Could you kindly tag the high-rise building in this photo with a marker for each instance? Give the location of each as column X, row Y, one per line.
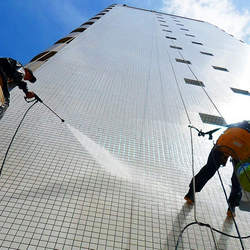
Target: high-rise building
column 128, row 83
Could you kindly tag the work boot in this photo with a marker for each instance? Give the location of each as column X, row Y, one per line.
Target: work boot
column 189, row 197
column 231, row 212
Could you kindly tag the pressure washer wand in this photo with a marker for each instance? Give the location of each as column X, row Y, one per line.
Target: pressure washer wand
column 38, row 99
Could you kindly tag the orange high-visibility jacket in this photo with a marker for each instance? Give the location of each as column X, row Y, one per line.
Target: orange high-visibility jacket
column 237, row 139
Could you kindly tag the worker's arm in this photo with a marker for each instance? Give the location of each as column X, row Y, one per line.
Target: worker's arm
column 23, row 85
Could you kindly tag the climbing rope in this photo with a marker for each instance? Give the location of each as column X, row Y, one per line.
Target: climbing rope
column 212, row 229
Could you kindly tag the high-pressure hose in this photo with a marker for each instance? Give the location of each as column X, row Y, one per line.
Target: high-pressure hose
column 35, row 100
column 196, row 222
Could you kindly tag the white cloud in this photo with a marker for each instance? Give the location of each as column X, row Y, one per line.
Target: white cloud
column 222, row 13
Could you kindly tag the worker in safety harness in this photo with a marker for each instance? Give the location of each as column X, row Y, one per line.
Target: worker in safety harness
column 12, row 73
column 234, row 142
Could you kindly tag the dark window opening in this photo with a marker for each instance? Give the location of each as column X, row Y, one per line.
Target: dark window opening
column 38, row 56
column 87, row 23
column 180, row 24
column 240, row 91
column 168, row 30
column 170, row 37
column 184, row 29
column 206, row 53
column 64, row 40
column 220, row 68
column 182, row 61
column 197, row 43
column 162, row 21
column 95, row 18
column 175, row 47
column 189, row 35
column 194, row 82
column 212, row 119
column 164, row 25
column 78, row 30
column 47, row 56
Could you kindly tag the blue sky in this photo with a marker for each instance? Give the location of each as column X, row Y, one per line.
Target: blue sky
column 31, row 26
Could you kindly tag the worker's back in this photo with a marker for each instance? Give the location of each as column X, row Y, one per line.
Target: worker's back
column 236, row 141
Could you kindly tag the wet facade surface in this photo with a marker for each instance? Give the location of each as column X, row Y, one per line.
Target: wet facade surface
column 115, row 174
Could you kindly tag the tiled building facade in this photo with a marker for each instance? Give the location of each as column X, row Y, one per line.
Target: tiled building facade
column 128, row 83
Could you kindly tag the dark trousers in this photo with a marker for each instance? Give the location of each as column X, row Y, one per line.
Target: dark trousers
column 217, row 158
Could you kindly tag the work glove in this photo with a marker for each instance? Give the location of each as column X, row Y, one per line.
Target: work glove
column 30, row 95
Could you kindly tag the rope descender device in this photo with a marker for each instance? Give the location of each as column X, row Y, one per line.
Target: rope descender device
column 201, row 133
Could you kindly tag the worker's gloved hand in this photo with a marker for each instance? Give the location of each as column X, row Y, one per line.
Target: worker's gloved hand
column 30, row 95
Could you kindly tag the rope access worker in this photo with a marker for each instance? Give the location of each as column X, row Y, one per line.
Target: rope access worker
column 12, row 73
column 234, row 142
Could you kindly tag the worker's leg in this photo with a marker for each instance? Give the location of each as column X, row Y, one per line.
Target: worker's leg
column 2, row 99
column 236, row 193
column 235, row 196
column 215, row 160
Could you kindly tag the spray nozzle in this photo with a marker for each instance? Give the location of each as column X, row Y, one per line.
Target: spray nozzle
column 38, row 99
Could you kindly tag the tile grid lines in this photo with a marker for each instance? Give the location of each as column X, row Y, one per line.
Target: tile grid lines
column 197, row 79
column 203, row 88
column 178, row 87
column 215, row 106
column 178, row 90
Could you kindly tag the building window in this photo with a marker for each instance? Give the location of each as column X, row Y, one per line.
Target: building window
column 87, row 23
column 162, row 21
column 189, row 35
column 182, row 61
column 38, row 56
column 194, row 82
column 170, row 37
column 206, row 53
column 240, row 91
column 184, row 29
column 180, row 24
column 220, row 68
column 197, row 43
column 47, row 56
column 95, row 18
column 164, row 25
column 174, row 47
column 168, row 31
column 65, row 40
column 212, row 119
column 78, row 30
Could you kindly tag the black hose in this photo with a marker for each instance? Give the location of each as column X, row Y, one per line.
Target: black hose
column 13, row 137
column 208, row 225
